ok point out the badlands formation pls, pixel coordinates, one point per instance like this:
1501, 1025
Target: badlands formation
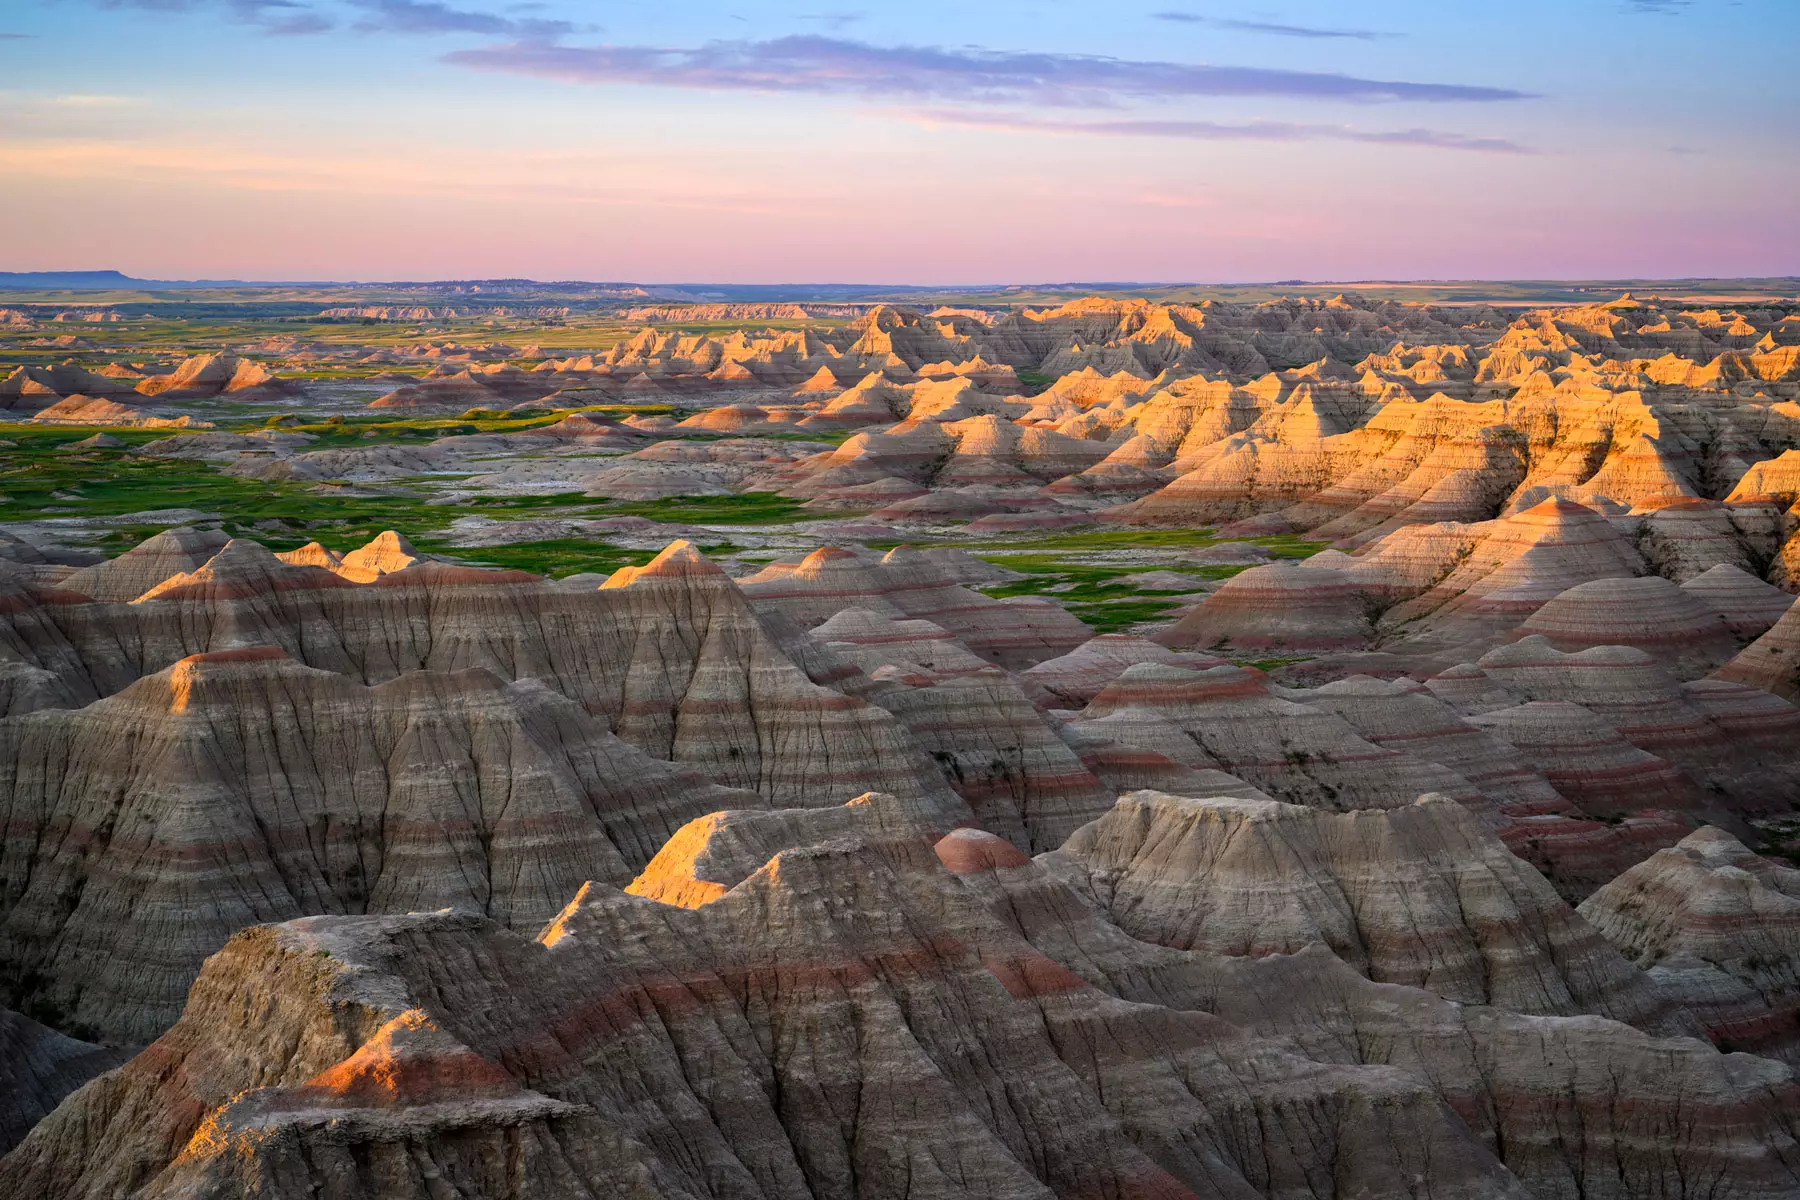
1318, 748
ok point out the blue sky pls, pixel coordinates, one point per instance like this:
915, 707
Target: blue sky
931, 143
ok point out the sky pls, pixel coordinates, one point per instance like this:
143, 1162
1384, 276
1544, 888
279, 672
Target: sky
932, 142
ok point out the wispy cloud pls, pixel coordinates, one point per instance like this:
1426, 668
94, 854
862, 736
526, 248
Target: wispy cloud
432, 16
835, 20
808, 63
277, 17
287, 17
1276, 28
1665, 7
16, 37
1212, 131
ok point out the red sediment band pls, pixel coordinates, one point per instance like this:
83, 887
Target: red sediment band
245, 654
971, 854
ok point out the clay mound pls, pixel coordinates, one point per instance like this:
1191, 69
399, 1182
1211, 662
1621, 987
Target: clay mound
1450, 910
1227, 554
632, 652
1772, 661
1403, 715
864, 497
1516, 565
586, 428
242, 568
1587, 760
38, 1067
910, 583
1484, 1061
1650, 614
1776, 479
1740, 748
727, 418
1077, 677
1718, 930
93, 410
1278, 607
167, 554
1748, 605
872, 640
944, 505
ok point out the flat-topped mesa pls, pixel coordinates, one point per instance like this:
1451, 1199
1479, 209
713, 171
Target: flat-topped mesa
1649, 613
1227, 719
1718, 929
241, 786
1449, 910
1281, 607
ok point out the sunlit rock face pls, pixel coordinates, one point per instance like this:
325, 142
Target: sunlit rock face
1307, 749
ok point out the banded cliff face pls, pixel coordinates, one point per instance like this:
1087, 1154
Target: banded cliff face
1573, 1106
669, 655
839, 1023
867, 1013
240, 787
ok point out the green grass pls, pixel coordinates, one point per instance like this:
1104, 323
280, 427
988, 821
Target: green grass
1275, 664
556, 558
1121, 615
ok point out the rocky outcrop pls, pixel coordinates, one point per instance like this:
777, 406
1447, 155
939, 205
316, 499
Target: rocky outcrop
38, 1067
1532, 1088
1718, 929
614, 1055
1419, 895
